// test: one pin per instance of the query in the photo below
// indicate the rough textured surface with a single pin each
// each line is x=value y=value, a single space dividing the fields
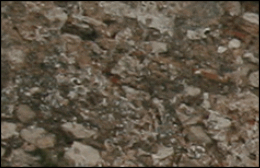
x=82 y=155
x=100 y=83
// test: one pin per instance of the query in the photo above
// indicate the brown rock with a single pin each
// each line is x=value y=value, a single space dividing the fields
x=25 y=113
x=197 y=134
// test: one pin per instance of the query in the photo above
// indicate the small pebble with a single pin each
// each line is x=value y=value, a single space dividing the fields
x=254 y=79
x=222 y=49
x=234 y=43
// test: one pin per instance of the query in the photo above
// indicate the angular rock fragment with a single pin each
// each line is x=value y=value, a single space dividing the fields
x=82 y=155
x=251 y=17
x=78 y=130
x=189 y=162
x=254 y=79
x=192 y=91
x=163 y=152
x=221 y=49
x=197 y=134
x=251 y=58
x=197 y=34
x=217 y=121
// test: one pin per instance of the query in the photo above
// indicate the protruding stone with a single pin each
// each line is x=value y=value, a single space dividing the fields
x=47 y=141
x=32 y=134
x=197 y=34
x=218 y=122
x=38 y=137
x=8 y=130
x=192 y=91
x=82 y=155
x=234 y=43
x=251 y=58
x=254 y=79
x=251 y=17
x=158 y=47
x=221 y=49
x=19 y=158
x=197 y=134
x=25 y=113
x=78 y=130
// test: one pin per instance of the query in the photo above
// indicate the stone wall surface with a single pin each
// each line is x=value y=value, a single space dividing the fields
x=129 y=83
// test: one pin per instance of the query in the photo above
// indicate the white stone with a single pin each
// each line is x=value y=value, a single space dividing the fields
x=8 y=130
x=234 y=43
x=206 y=104
x=197 y=34
x=82 y=155
x=251 y=17
x=162 y=153
x=254 y=79
x=24 y=113
x=192 y=91
x=16 y=57
x=217 y=121
x=251 y=58
x=221 y=49
x=78 y=130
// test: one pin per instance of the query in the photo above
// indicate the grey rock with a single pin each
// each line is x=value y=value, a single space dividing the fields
x=38 y=137
x=19 y=158
x=218 y=122
x=78 y=130
x=254 y=79
x=8 y=130
x=82 y=155
x=192 y=91
x=251 y=17
x=234 y=43
x=251 y=58
x=47 y=141
x=197 y=134
x=197 y=34
x=25 y=113
x=31 y=134
x=221 y=49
